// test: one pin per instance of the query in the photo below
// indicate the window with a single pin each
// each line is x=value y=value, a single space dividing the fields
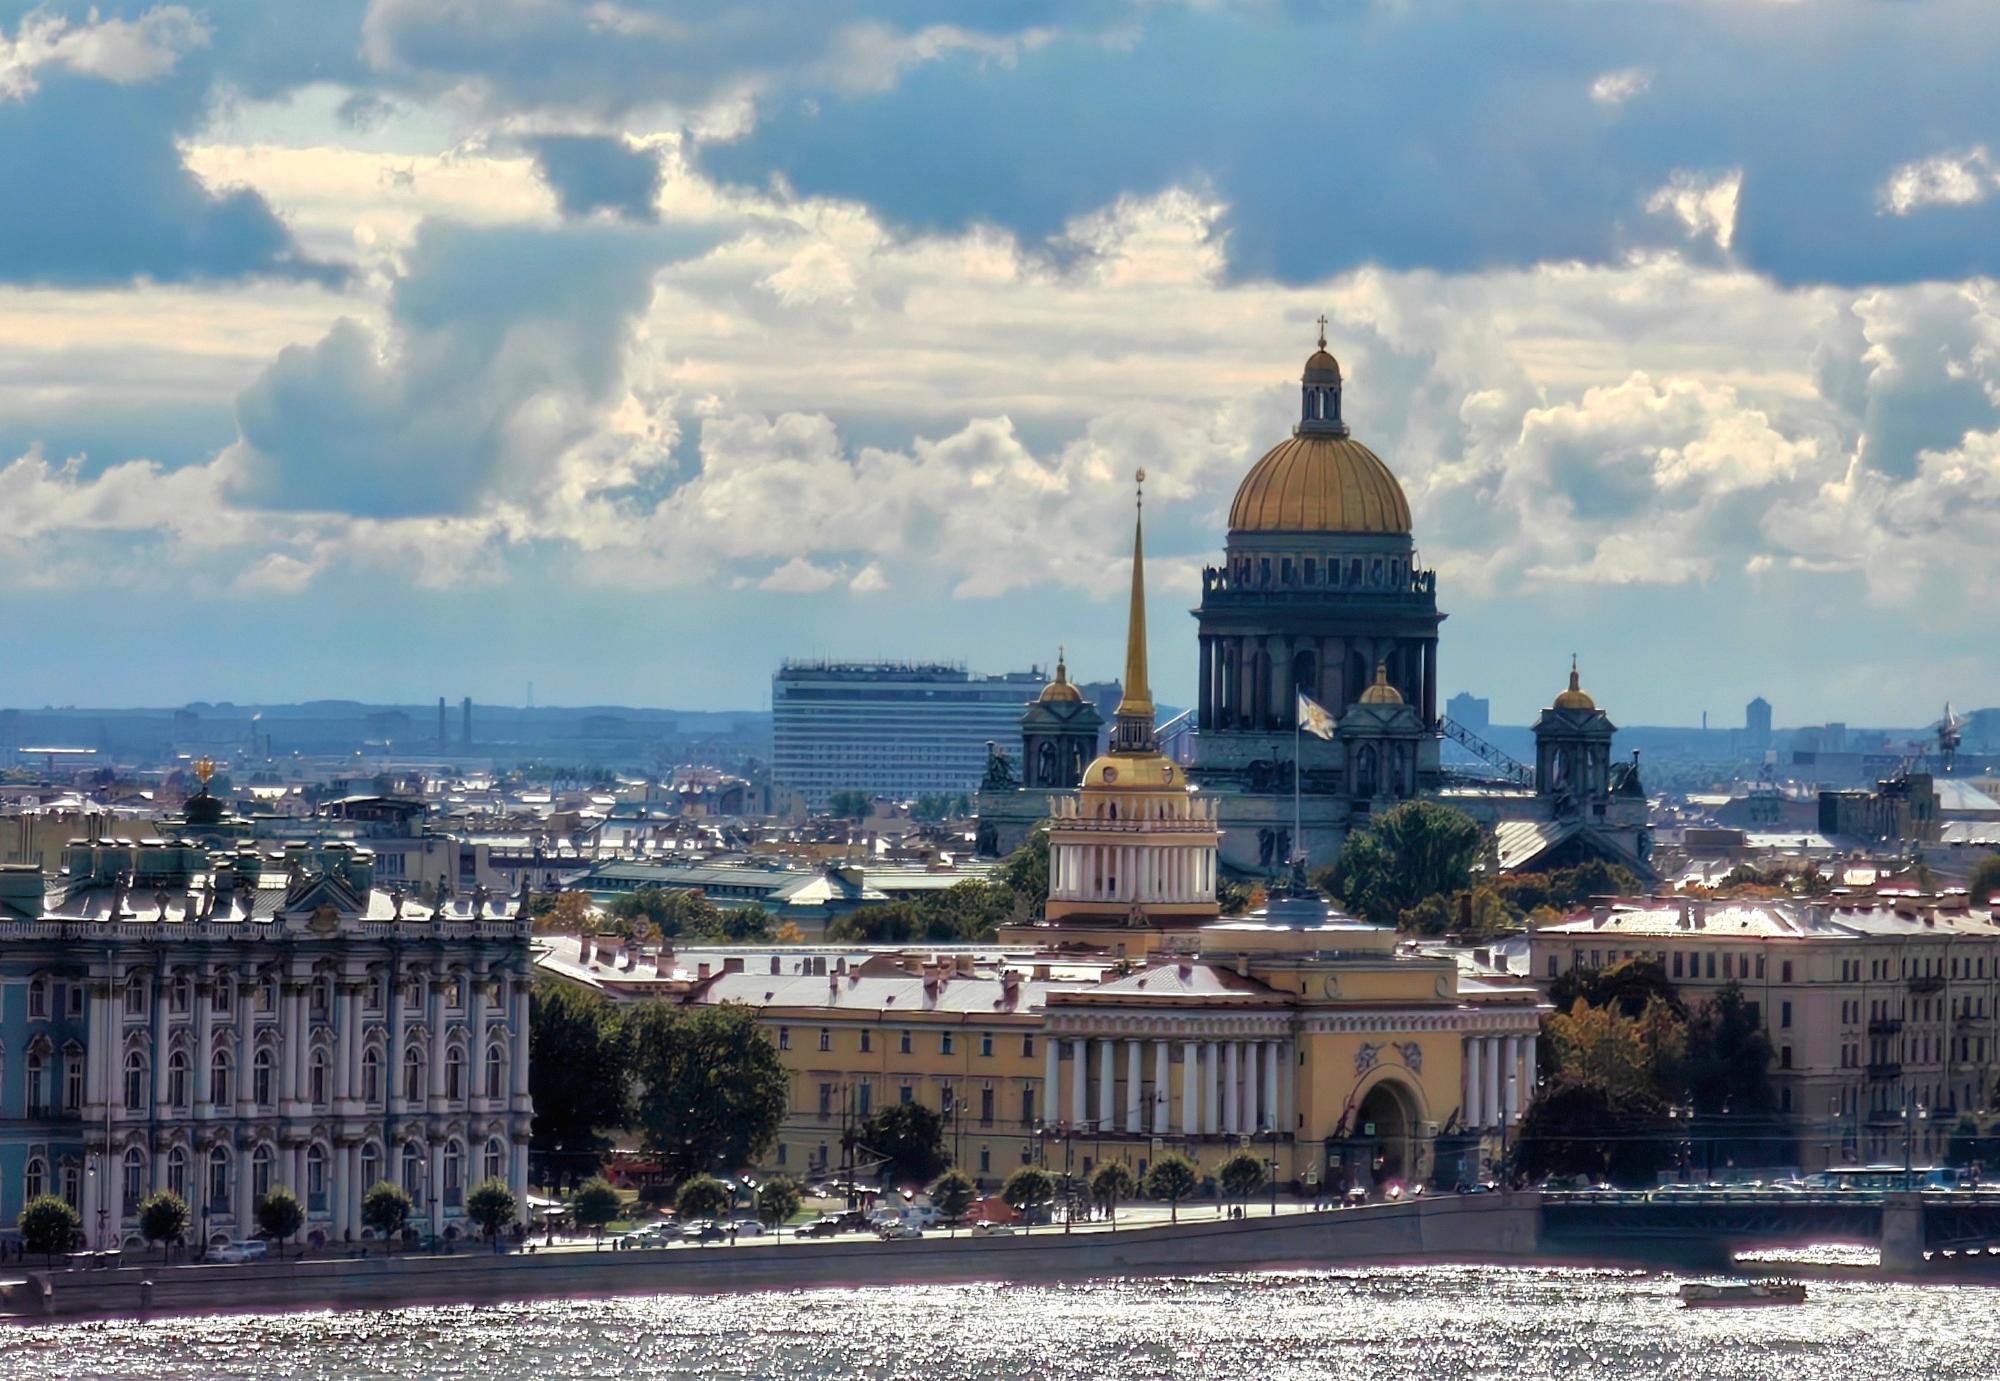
x=496 y=1070
x=944 y=1043
x=218 y=997
x=413 y=1075
x=1711 y=963
x=986 y=1106
x=454 y=1174
x=496 y=1160
x=986 y=1043
x=72 y=1080
x=38 y=1000
x=371 y=1077
x=37 y=1086
x=1028 y=1047
x=1784 y=1057
x=135 y=1082
x=35 y=1182
x=1677 y=964
x=867 y=1041
x=947 y=1099
x=263 y=1076
x=1027 y=1107
x=182 y=994
x=1760 y=966
x=218 y=1181
x=177 y=1173
x=316 y=1178
x=371 y=1166
x=784 y=1038
x=985 y=1159
x=906 y=1094
x=454 y=1073
x=135 y=1178
x=267 y=995
x=864 y=1098
x=413 y=1171
x=316 y=1077
x=135 y=998
x=825 y=1038
x=218 y=1080
x=826 y=1100
x=177 y=1079
x=905 y=1045
x=1785 y=1014
x=260 y=1172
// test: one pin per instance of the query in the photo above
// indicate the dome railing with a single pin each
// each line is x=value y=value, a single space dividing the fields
x=1219 y=580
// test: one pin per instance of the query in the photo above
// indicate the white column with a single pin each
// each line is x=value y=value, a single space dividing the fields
x=161 y=1002
x=243 y=1206
x=1079 y=1081
x=1211 y=1098
x=1252 y=1114
x=1272 y=1117
x=517 y=1175
x=475 y=1055
x=1190 y=1088
x=438 y=1023
x=1134 y=1082
x=434 y=1187
x=1512 y=1066
x=291 y=1008
x=204 y=1047
x=100 y=1040
x=1050 y=1102
x=347 y=1066
x=517 y=1058
x=91 y=1190
x=1232 y=1106
x=1471 y=1054
x=1107 y=1085
x=1492 y=1078
x=1163 y=1101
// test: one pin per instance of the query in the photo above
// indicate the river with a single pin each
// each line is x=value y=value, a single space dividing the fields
x=1414 y=1322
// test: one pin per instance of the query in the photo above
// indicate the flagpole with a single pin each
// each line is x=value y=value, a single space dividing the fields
x=1298 y=770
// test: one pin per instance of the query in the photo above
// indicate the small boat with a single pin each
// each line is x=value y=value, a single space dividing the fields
x=1699 y=1294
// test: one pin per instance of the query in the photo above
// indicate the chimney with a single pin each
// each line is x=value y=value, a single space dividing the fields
x=1600 y=914
x=1698 y=913
x=733 y=964
x=774 y=964
x=962 y=964
x=1243 y=965
x=702 y=972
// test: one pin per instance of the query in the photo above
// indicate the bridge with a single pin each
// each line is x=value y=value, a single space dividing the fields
x=1685 y=1223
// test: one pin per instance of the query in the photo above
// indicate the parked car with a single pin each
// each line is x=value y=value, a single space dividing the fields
x=746 y=1227
x=898 y=1231
x=827 y=1224
x=247 y=1249
x=992 y=1230
x=707 y=1232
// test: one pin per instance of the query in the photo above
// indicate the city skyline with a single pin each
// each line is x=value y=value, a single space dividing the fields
x=394 y=352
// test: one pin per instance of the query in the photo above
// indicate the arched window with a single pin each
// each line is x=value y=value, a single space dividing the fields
x=371 y=1077
x=177 y=1079
x=454 y=1173
x=218 y=1080
x=220 y=995
x=413 y=1075
x=38 y=999
x=316 y=1076
x=72 y=1078
x=177 y=1172
x=316 y=1178
x=496 y=1070
x=135 y=1179
x=371 y=1166
x=135 y=1082
x=35 y=1182
x=37 y=1070
x=263 y=1077
x=218 y=1180
x=496 y=1160
x=260 y=1171
x=454 y=1073
x=183 y=993
x=71 y=1176
x=413 y=1171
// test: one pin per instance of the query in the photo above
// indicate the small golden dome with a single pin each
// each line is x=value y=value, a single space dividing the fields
x=1320 y=362
x=1060 y=688
x=1320 y=483
x=1381 y=693
x=1575 y=698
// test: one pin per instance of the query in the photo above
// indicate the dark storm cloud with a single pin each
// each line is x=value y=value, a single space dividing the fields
x=589 y=172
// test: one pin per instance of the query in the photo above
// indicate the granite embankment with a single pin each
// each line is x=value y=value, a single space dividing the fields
x=1491 y=1227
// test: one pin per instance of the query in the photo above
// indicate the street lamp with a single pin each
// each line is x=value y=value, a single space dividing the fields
x=1272 y=1128
x=1909 y=1136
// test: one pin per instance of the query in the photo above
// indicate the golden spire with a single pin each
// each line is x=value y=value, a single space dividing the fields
x=1138 y=698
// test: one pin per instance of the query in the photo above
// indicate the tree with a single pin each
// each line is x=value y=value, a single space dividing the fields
x=1973 y=1145
x=664 y=912
x=492 y=1206
x=578 y=1074
x=778 y=1198
x=1241 y=1176
x=1028 y=1189
x=280 y=1215
x=1579 y=1128
x=1171 y=1177
x=711 y=1087
x=1404 y=855
x=596 y=1204
x=1109 y=1183
x=48 y=1225
x=953 y=1194
x=386 y=1207
x=909 y=1138
x=1025 y=872
x=849 y=804
x=561 y=912
x=704 y=1196
x=1984 y=884
x=1627 y=1057
x=1629 y=985
x=788 y=933
x=163 y=1217
x=1728 y=1076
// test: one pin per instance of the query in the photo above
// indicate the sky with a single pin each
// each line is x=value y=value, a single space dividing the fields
x=390 y=349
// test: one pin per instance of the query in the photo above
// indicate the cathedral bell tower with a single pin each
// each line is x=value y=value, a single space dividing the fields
x=1059 y=734
x=1573 y=753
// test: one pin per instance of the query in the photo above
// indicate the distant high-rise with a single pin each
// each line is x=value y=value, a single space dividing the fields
x=897 y=729
x=465 y=724
x=1757 y=722
x=1469 y=711
x=444 y=731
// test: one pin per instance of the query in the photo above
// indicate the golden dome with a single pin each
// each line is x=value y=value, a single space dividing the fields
x=1575 y=698
x=1319 y=362
x=1133 y=772
x=1060 y=688
x=1381 y=693
x=1320 y=483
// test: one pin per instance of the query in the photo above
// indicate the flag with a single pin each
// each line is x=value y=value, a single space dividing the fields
x=1313 y=717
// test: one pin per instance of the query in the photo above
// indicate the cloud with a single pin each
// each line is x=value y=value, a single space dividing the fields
x=589 y=172
x=799 y=576
x=114 y=50
x=1705 y=207
x=1617 y=87
x=1962 y=179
